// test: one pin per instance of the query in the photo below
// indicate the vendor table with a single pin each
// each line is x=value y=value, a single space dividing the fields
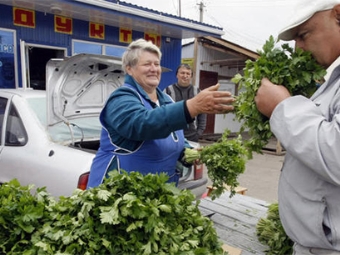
x=235 y=220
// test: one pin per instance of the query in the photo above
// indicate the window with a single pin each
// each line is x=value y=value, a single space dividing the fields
x=115 y=51
x=15 y=132
x=96 y=48
x=84 y=47
x=7 y=66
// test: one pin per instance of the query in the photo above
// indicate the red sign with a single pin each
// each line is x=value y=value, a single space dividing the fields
x=26 y=18
x=62 y=25
x=97 y=30
x=23 y=17
x=125 y=35
x=154 y=38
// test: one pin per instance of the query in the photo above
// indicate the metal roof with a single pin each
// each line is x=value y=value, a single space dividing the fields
x=231 y=46
x=227 y=46
x=236 y=55
x=120 y=14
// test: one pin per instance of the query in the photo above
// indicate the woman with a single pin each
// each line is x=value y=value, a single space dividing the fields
x=142 y=126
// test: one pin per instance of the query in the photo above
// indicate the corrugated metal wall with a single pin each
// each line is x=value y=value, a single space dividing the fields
x=188 y=50
x=203 y=56
x=222 y=121
x=171 y=58
x=6 y=12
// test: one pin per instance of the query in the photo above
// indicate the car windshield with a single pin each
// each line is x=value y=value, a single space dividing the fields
x=88 y=128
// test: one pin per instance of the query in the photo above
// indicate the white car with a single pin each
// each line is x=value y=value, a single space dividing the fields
x=49 y=138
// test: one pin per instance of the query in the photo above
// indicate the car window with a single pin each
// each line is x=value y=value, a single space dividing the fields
x=38 y=105
x=83 y=128
x=3 y=103
x=15 y=132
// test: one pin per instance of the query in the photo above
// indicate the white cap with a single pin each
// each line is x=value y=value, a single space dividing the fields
x=304 y=10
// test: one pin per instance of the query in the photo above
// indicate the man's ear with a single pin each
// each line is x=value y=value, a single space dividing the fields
x=336 y=11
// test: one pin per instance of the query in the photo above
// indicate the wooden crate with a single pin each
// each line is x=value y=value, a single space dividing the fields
x=231 y=250
x=239 y=189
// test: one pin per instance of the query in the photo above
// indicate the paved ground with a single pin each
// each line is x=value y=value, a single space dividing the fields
x=262 y=174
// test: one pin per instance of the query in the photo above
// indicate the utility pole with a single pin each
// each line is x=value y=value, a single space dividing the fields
x=179 y=8
x=201 y=7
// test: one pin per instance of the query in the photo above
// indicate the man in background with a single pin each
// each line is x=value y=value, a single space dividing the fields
x=183 y=90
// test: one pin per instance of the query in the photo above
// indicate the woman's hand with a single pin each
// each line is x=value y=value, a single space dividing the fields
x=210 y=101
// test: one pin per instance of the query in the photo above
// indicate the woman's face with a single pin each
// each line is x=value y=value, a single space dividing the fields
x=147 y=71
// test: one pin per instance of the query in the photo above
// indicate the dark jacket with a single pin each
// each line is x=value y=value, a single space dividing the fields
x=195 y=129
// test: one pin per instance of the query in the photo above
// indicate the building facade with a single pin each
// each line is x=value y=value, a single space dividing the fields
x=215 y=60
x=34 y=31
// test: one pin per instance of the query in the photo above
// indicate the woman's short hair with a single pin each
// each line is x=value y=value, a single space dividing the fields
x=132 y=53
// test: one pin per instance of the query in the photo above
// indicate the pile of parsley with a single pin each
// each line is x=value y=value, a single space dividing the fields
x=295 y=69
x=270 y=232
x=127 y=214
x=21 y=215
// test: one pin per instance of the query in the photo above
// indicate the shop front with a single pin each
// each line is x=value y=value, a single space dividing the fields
x=34 y=31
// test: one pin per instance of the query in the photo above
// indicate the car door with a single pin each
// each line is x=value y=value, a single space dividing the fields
x=29 y=155
x=13 y=137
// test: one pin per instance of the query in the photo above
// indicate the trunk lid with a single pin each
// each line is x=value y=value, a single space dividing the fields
x=77 y=87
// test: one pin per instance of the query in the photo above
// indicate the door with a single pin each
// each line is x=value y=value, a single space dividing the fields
x=208 y=79
x=33 y=63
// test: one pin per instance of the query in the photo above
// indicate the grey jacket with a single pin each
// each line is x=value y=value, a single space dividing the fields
x=309 y=185
x=178 y=93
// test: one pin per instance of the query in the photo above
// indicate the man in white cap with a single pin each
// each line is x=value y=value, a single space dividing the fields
x=309 y=130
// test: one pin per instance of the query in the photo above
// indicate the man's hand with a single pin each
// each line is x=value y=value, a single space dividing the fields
x=210 y=101
x=268 y=96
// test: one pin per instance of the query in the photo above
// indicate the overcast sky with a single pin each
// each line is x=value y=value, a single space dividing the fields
x=248 y=23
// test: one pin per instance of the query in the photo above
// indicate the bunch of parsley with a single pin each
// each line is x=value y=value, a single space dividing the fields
x=225 y=160
x=295 y=69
